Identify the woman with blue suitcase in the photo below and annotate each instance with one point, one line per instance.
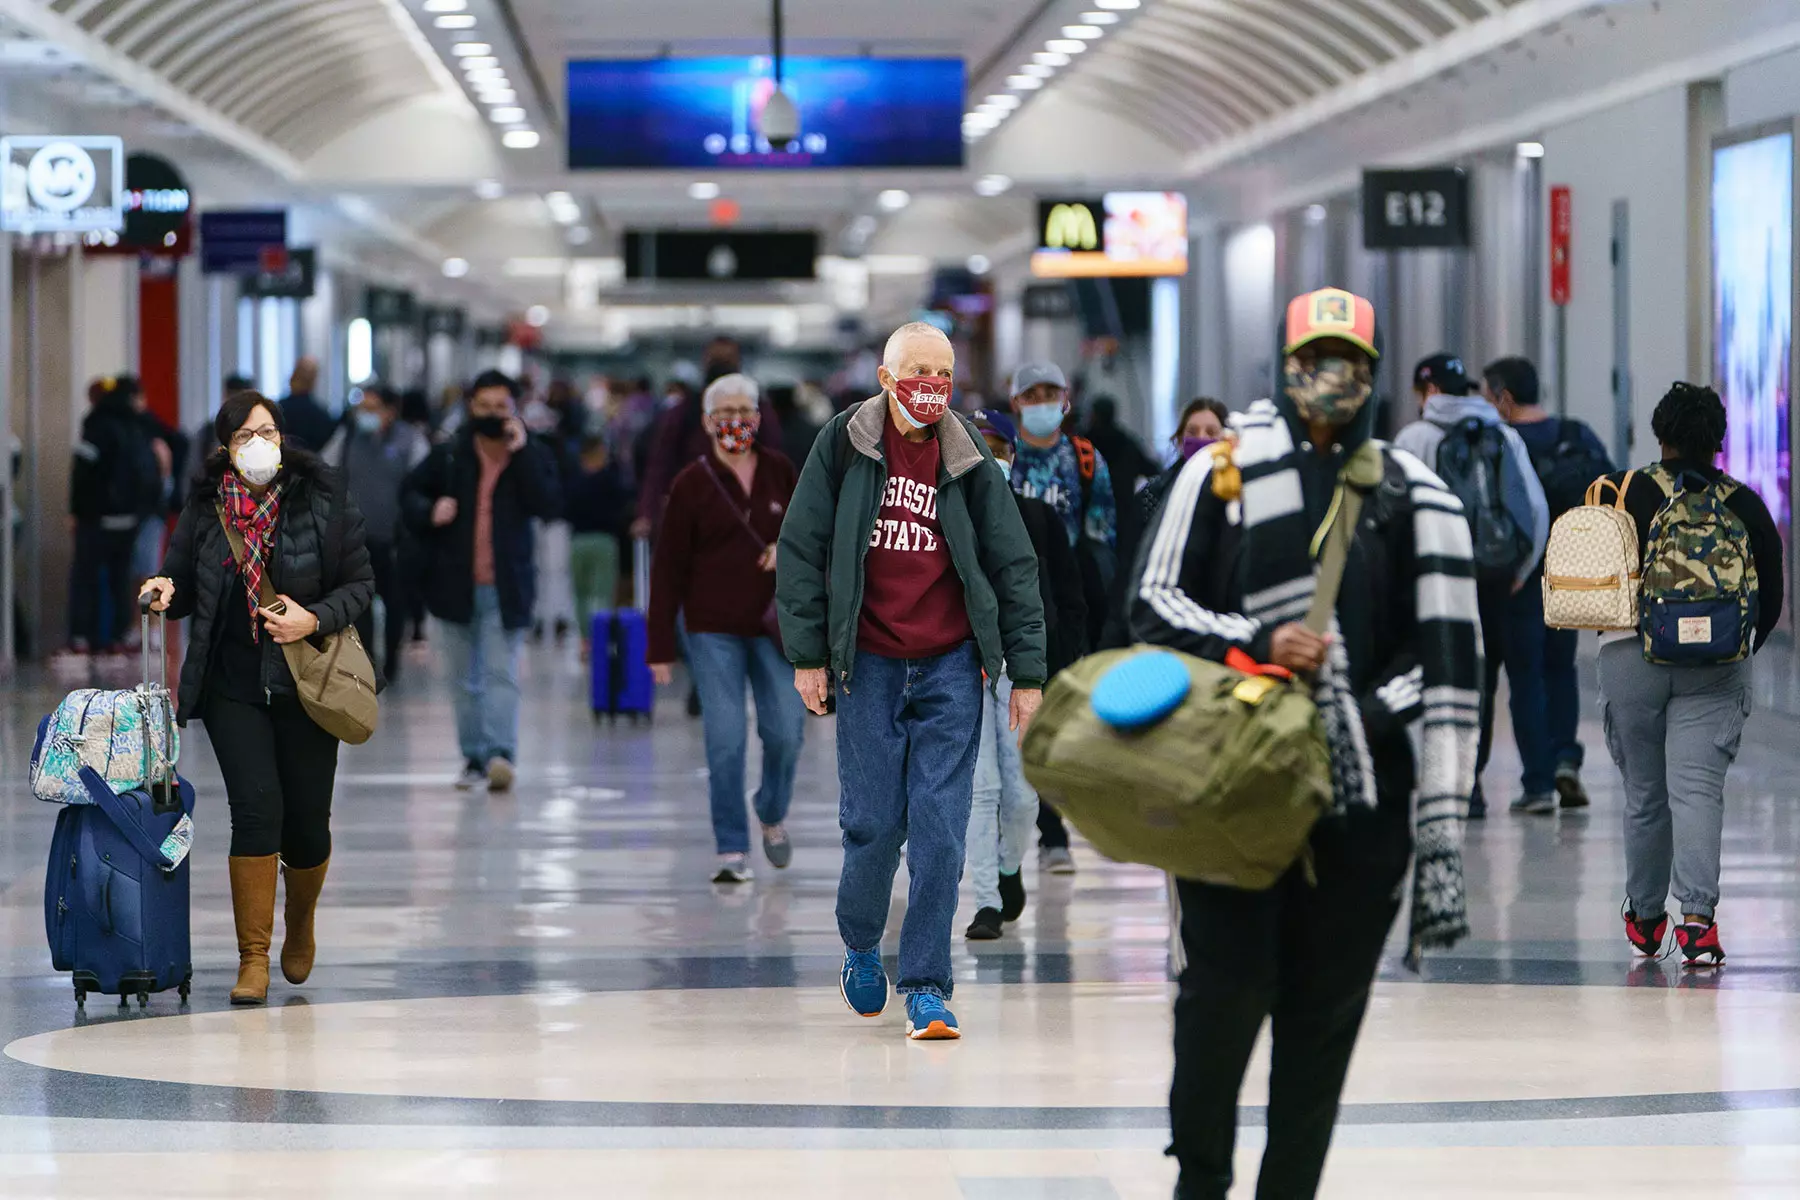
(302, 532)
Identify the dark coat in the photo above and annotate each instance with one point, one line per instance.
(307, 421)
(1059, 582)
(529, 488)
(319, 559)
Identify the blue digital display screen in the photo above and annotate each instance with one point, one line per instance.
(706, 113)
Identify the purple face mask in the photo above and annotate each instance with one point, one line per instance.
(1191, 446)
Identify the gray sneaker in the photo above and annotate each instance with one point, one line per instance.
(1568, 786)
(473, 775)
(776, 847)
(733, 868)
(1545, 803)
(1056, 860)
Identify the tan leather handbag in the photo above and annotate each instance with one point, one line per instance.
(335, 678)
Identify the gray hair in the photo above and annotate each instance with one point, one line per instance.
(904, 334)
(741, 386)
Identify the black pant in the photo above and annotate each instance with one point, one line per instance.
(279, 770)
(1495, 602)
(390, 585)
(1305, 956)
(102, 567)
(1052, 833)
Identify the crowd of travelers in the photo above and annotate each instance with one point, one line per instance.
(924, 568)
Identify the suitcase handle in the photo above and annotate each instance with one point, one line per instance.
(165, 797)
(104, 916)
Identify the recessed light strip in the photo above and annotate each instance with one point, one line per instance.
(1102, 17)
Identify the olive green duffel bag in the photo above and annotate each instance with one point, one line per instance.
(1225, 788)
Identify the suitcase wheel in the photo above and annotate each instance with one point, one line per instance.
(186, 989)
(80, 996)
(143, 999)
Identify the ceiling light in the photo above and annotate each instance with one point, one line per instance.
(507, 115)
(703, 190)
(581, 235)
(979, 122)
(486, 75)
(521, 139)
(1002, 101)
(979, 264)
(993, 185)
(471, 49)
(497, 95)
(455, 268)
(1100, 18)
(455, 21)
(1531, 149)
(1065, 46)
(893, 200)
(476, 62)
(1120, 5)
(1051, 58)
(1040, 70)
(437, 6)
(1316, 214)
(1024, 83)
(537, 316)
(1087, 33)
(490, 189)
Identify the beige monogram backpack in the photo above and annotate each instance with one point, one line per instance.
(1591, 567)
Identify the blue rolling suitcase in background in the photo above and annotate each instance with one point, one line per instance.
(621, 641)
(116, 886)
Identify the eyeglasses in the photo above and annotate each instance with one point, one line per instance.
(267, 433)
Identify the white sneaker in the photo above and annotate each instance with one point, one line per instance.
(1056, 860)
(472, 777)
(733, 868)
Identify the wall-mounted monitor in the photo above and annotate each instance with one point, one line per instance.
(1753, 308)
(721, 255)
(1117, 235)
(705, 113)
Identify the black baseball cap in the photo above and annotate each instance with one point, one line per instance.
(1444, 372)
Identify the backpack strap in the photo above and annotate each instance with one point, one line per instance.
(1596, 493)
(1087, 463)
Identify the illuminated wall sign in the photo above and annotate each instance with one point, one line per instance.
(1120, 234)
(1415, 210)
(61, 184)
(284, 274)
(157, 203)
(232, 243)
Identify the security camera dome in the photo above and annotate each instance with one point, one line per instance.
(780, 119)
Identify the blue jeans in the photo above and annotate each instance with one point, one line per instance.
(482, 659)
(1005, 806)
(1546, 691)
(722, 664)
(907, 734)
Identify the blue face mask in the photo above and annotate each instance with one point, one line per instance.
(1005, 467)
(1042, 420)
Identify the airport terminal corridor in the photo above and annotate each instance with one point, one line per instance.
(543, 992)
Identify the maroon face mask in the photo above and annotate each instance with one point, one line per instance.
(924, 399)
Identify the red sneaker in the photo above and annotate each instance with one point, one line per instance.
(1646, 936)
(1700, 944)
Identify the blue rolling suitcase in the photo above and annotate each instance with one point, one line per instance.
(116, 886)
(621, 641)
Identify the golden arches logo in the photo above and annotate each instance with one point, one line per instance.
(1071, 227)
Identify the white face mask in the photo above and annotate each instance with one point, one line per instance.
(1005, 468)
(258, 461)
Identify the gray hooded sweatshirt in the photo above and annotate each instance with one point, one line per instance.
(1520, 489)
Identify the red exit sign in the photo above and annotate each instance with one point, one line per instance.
(1562, 226)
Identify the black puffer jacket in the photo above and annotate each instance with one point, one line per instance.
(319, 559)
(529, 488)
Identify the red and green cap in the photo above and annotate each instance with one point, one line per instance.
(1331, 313)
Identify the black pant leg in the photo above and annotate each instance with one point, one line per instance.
(121, 555)
(1493, 601)
(1052, 833)
(390, 585)
(1331, 938)
(306, 758)
(244, 739)
(85, 584)
(1218, 1013)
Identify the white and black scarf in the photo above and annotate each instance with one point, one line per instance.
(1439, 698)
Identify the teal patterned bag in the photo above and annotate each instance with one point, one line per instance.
(127, 737)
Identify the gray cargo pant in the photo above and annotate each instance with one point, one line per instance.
(1674, 732)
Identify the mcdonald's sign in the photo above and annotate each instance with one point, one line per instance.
(1069, 225)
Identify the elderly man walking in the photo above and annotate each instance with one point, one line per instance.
(906, 575)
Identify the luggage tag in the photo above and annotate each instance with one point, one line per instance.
(1261, 679)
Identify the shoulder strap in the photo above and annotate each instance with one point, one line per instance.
(725, 495)
(1596, 493)
(1337, 534)
(266, 593)
(1085, 466)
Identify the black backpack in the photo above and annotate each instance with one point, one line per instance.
(125, 467)
(1568, 468)
(1471, 460)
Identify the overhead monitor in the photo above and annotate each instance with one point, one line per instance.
(721, 255)
(1120, 234)
(1753, 308)
(706, 113)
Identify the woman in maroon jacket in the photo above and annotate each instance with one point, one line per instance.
(715, 564)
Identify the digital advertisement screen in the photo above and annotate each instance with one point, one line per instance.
(1753, 310)
(1118, 235)
(706, 113)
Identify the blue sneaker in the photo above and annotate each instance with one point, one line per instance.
(864, 984)
(927, 1020)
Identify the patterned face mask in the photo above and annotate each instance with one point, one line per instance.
(1332, 391)
(735, 434)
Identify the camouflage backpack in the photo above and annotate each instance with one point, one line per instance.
(1700, 590)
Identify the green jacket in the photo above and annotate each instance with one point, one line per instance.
(819, 572)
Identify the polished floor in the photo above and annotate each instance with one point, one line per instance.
(542, 994)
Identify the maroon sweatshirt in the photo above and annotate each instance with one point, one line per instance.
(913, 602)
(706, 562)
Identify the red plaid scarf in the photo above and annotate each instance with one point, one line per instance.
(253, 519)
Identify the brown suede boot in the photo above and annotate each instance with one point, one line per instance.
(253, 905)
(298, 947)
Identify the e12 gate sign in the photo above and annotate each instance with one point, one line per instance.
(1425, 209)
